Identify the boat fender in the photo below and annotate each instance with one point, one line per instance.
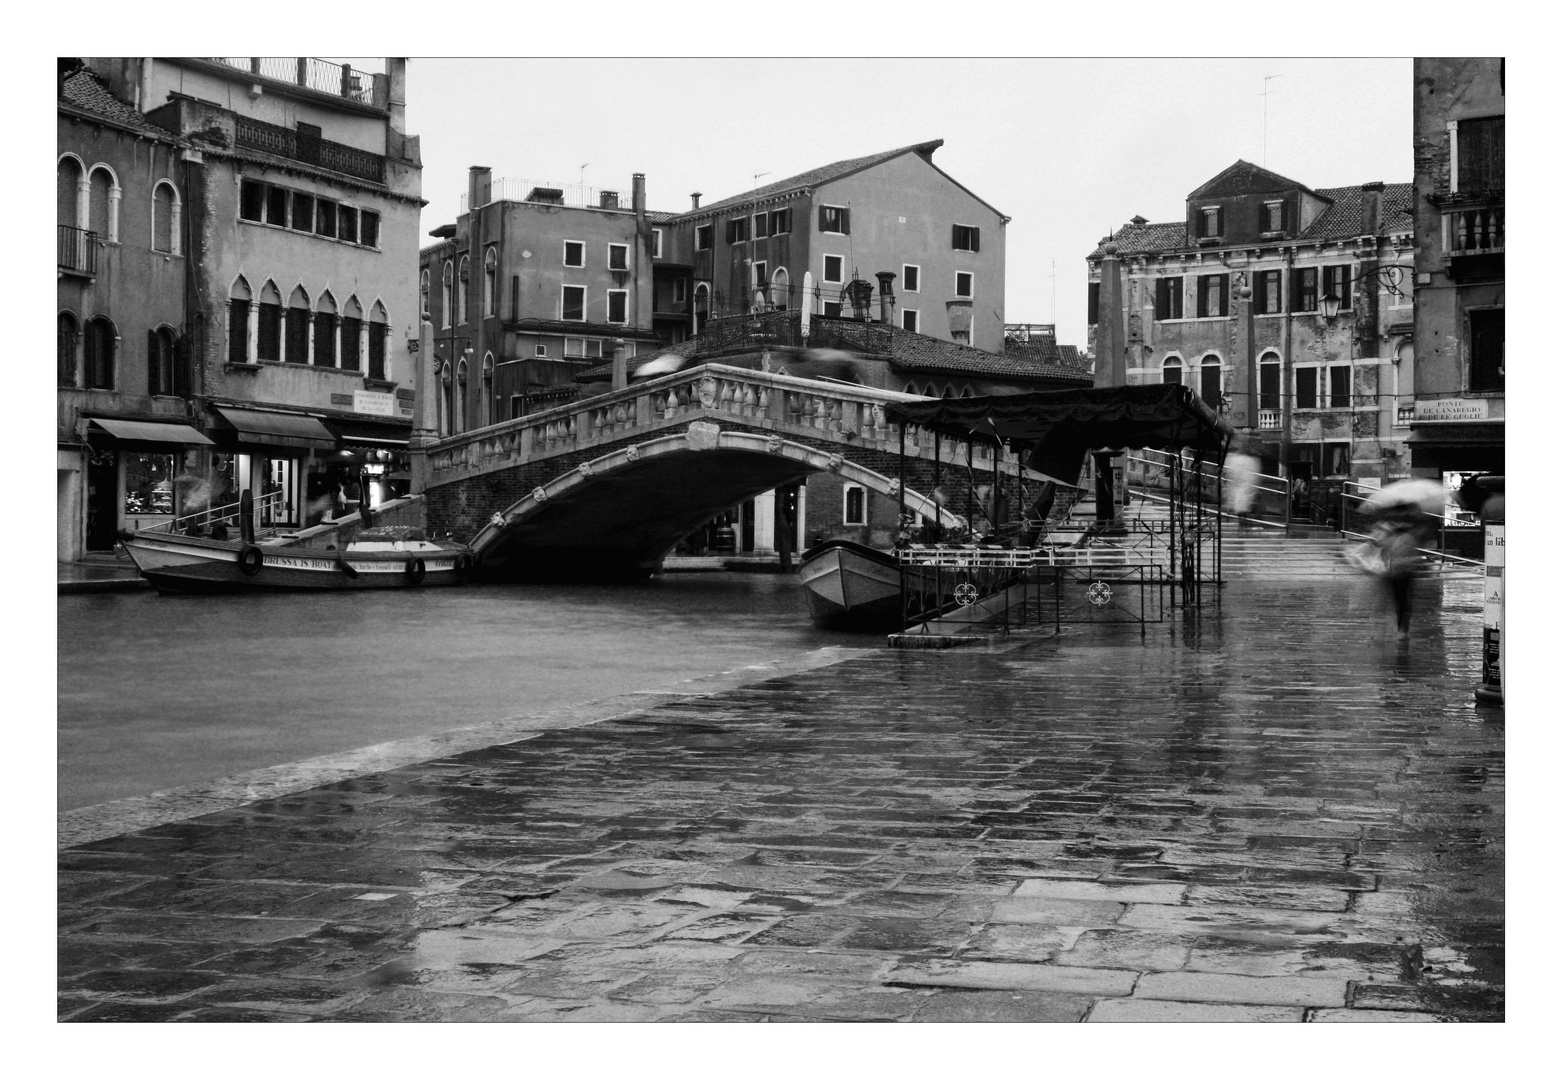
(463, 566)
(414, 570)
(250, 560)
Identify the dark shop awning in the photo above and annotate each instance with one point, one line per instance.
(277, 429)
(152, 431)
(382, 433)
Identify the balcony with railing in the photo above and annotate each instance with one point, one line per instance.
(78, 251)
(311, 150)
(322, 76)
(1269, 419)
(1473, 230)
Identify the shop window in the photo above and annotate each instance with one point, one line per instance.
(854, 505)
(100, 341)
(1169, 298)
(1486, 349)
(149, 483)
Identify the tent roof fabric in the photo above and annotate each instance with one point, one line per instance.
(152, 431)
(1061, 426)
(279, 429)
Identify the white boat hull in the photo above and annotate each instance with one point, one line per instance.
(177, 563)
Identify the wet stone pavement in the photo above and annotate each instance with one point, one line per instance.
(1278, 813)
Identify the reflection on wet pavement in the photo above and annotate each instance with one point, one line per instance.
(1279, 813)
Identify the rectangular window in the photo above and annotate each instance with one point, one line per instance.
(680, 290)
(325, 218)
(909, 319)
(1210, 222)
(515, 406)
(1093, 296)
(1486, 348)
(618, 257)
(377, 350)
(1337, 280)
(759, 274)
(1307, 388)
(276, 206)
(965, 238)
(618, 304)
(1305, 289)
(854, 505)
(702, 237)
(1340, 387)
(369, 228)
(835, 219)
(572, 303)
(911, 277)
(1272, 217)
(1479, 160)
(577, 348)
(1269, 386)
(269, 333)
(303, 212)
(351, 357)
(737, 230)
(574, 253)
(539, 350)
(1169, 298)
(833, 269)
(656, 243)
(1267, 292)
(761, 220)
(347, 224)
(781, 221)
(1213, 292)
(325, 339)
(832, 307)
(252, 200)
(964, 284)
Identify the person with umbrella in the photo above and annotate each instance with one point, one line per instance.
(1406, 512)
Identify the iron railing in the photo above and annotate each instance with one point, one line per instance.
(78, 250)
(268, 508)
(286, 142)
(339, 80)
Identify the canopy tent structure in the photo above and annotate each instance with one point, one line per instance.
(1052, 431)
(1061, 426)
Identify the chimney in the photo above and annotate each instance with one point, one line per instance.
(1372, 207)
(694, 200)
(886, 297)
(480, 182)
(638, 201)
(1111, 368)
(621, 366)
(607, 200)
(396, 97)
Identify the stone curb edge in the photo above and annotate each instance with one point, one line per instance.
(88, 823)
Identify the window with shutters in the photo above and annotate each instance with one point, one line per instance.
(1305, 288)
(1486, 348)
(911, 277)
(1337, 280)
(160, 361)
(965, 284)
(1267, 292)
(1169, 298)
(1272, 217)
(1478, 164)
(737, 230)
(1340, 386)
(703, 237)
(1210, 380)
(572, 303)
(781, 221)
(965, 238)
(1212, 296)
(835, 219)
(618, 256)
(618, 305)
(834, 265)
(1093, 296)
(99, 342)
(1307, 396)
(574, 253)
(1210, 222)
(1269, 381)
(761, 221)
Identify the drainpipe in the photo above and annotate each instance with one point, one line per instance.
(638, 201)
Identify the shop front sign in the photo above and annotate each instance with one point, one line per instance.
(1450, 410)
(374, 403)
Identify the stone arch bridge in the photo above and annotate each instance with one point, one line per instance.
(605, 487)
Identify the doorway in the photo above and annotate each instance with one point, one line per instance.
(102, 499)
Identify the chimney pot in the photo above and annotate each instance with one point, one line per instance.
(694, 200)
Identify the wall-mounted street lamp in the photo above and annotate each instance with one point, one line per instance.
(1329, 305)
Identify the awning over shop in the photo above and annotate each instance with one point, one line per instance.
(277, 429)
(152, 431)
(380, 433)
(1061, 426)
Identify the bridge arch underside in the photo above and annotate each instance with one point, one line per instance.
(618, 515)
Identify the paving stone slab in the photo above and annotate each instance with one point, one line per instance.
(1242, 989)
(992, 976)
(1143, 1011)
(959, 1006)
(1091, 890)
(1371, 1016)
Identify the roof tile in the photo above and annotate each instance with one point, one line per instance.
(84, 90)
(814, 177)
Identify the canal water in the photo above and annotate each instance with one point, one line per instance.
(156, 692)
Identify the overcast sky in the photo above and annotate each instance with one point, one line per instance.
(1067, 148)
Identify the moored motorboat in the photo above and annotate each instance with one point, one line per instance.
(379, 558)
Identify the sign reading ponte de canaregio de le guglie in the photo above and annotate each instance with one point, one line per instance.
(1451, 410)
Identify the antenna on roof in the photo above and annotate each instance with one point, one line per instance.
(1264, 145)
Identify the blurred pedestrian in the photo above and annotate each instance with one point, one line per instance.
(1242, 485)
(1399, 536)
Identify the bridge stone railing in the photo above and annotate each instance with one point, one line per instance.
(852, 415)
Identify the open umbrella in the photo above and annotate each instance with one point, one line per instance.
(1429, 496)
(665, 364)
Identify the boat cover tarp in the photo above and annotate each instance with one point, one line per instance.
(1062, 426)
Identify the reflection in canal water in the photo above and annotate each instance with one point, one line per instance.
(159, 691)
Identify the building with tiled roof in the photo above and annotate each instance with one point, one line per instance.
(1288, 308)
